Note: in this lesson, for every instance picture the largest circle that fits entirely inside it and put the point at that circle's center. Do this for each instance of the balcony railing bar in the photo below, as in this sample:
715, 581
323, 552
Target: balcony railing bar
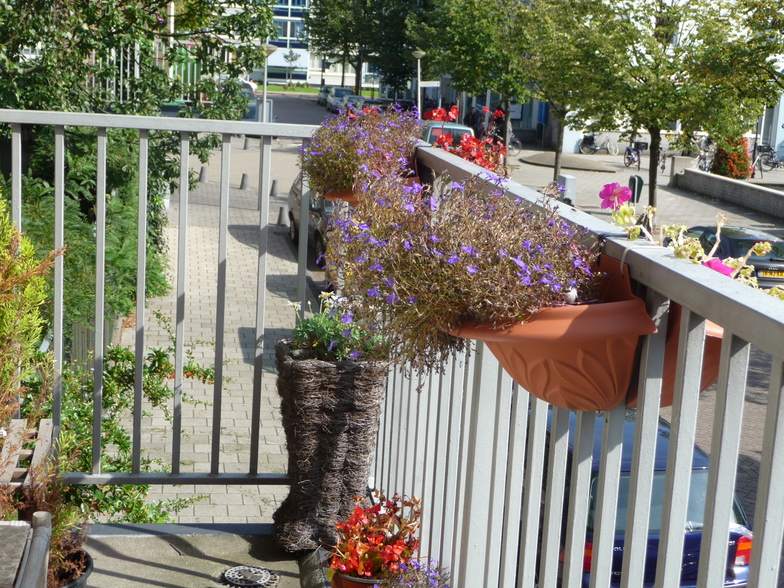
643, 455
679, 461
730, 399
607, 496
141, 300
16, 175
265, 165
579, 498
59, 241
220, 314
179, 318
514, 481
532, 493
477, 544
100, 293
769, 512
554, 495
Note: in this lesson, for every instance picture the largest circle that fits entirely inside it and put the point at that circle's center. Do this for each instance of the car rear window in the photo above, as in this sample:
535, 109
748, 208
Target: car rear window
698, 492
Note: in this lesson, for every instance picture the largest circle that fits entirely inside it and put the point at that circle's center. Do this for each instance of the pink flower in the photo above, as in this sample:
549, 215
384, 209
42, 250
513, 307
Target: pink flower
718, 265
614, 195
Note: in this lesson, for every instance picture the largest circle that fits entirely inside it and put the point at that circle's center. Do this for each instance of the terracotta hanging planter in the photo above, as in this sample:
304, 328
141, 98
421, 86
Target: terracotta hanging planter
710, 358
342, 195
579, 357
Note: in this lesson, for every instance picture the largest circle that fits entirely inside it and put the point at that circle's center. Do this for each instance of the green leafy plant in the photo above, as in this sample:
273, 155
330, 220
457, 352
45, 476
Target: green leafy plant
618, 199
353, 145
426, 262
332, 334
377, 539
117, 503
22, 293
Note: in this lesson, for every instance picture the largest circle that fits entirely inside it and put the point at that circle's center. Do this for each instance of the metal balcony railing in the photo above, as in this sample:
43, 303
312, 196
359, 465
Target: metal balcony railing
470, 442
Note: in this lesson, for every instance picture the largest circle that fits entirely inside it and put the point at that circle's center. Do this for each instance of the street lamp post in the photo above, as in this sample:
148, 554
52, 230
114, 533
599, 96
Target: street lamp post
419, 54
269, 49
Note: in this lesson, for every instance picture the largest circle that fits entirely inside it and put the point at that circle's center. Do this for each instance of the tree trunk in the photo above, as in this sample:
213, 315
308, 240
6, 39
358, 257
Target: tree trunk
655, 146
558, 150
358, 72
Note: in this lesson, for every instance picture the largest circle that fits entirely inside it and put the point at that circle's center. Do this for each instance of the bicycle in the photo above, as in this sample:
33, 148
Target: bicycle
633, 153
589, 145
766, 160
514, 147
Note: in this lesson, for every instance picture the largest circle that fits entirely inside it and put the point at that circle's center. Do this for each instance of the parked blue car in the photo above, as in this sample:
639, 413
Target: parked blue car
740, 537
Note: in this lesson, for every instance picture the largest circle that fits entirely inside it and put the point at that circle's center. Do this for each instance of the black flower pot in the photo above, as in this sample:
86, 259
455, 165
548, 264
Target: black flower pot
81, 581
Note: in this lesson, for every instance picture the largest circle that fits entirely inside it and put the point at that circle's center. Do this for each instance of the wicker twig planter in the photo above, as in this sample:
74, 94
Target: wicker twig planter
330, 413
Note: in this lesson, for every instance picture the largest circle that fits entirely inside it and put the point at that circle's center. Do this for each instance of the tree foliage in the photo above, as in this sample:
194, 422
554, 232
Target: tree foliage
647, 64
471, 41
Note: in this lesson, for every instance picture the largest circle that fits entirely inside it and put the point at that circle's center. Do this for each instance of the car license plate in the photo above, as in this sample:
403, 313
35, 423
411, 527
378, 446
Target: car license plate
771, 273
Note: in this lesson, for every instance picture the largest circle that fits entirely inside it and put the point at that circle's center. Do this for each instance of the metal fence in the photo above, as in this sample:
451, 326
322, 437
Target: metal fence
185, 128
469, 441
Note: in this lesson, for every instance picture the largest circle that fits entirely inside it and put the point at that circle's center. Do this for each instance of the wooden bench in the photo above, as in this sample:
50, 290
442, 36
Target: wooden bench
12, 474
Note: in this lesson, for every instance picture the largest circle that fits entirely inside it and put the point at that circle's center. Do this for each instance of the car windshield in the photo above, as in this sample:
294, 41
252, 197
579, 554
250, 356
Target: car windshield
698, 491
776, 250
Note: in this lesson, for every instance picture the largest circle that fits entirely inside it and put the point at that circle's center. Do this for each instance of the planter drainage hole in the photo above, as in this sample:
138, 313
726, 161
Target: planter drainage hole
250, 576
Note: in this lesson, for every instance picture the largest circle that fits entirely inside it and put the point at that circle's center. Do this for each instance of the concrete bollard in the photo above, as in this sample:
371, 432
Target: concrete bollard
244, 182
274, 189
570, 183
246, 145
679, 163
203, 174
283, 215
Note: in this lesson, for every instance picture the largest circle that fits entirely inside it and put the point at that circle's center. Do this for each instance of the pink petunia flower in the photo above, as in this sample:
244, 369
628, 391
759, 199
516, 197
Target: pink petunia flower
718, 265
614, 195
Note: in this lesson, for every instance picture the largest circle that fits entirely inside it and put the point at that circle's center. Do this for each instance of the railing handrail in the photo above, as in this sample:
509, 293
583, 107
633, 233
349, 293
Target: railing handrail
156, 123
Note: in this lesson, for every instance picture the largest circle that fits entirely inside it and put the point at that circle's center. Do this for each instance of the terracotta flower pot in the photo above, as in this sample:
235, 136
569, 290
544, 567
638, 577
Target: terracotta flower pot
342, 195
343, 581
579, 357
710, 358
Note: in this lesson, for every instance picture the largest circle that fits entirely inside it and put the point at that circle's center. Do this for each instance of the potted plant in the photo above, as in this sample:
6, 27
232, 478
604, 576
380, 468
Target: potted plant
460, 260
355, 145
618, 199
376, 543
331, 380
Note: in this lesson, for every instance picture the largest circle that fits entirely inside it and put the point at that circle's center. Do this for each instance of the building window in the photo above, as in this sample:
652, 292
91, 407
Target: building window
296, 29
282, 27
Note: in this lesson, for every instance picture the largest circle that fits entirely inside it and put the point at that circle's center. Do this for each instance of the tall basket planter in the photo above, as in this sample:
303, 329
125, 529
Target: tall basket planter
330, 413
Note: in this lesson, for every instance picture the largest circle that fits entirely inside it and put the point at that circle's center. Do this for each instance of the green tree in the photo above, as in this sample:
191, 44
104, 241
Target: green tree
390, 48
341, 30
562, 67
472, 41
117, 57
647, 64
291, 57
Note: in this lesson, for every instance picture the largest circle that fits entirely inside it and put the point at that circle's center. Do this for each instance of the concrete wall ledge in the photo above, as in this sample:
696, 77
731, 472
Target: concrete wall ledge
751, 196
